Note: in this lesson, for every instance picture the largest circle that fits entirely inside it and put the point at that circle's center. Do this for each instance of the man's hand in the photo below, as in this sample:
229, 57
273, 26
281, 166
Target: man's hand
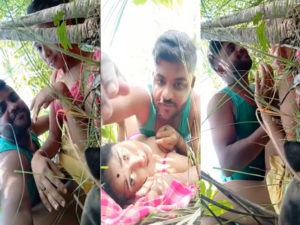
112, 85
264, 85
167, 138
46, 176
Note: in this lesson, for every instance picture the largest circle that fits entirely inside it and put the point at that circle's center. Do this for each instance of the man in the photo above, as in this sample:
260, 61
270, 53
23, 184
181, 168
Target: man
18, 191
238, 138
18, 142
170, 99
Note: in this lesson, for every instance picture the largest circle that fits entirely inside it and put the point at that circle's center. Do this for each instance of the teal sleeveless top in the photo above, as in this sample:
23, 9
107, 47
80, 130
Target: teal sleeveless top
245, 124
148, 129
5, 146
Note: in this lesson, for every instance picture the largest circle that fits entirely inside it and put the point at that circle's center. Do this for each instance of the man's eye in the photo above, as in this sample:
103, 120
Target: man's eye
2, 108
179, 85
13, 97
160, 81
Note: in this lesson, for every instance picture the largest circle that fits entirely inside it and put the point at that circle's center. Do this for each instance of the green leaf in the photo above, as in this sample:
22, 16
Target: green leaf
257, 17
139, 2
62, 36
261, 36
57, 18
216, 210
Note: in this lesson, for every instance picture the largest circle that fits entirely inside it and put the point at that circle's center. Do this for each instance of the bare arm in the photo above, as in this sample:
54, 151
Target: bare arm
233, 154
15, 202
195, 124
136, 102
41, 125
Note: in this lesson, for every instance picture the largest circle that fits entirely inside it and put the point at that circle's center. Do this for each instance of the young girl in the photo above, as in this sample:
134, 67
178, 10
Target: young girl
127, 166
70, 83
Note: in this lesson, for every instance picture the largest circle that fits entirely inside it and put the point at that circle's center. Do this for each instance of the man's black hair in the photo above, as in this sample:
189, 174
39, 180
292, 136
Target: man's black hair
2, 84
175, 47
213, 52
38, 5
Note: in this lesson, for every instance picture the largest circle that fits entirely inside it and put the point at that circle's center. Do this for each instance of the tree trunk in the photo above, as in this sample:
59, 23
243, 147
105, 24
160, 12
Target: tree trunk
75, 9
88, 32
287, 32
22, 29
276, 9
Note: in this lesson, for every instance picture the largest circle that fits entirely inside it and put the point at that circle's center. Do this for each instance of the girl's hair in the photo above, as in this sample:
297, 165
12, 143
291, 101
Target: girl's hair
105, 156
92, 156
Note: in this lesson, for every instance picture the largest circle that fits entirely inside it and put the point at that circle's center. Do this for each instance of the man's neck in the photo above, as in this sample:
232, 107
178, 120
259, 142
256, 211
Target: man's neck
24, 141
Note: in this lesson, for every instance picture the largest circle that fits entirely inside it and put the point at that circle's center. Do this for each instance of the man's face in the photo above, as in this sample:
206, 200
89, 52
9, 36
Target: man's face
172, 86
235, 59
14, 113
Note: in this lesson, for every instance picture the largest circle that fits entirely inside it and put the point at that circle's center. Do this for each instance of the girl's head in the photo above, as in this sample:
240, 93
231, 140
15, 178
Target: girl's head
125, 167
54, 58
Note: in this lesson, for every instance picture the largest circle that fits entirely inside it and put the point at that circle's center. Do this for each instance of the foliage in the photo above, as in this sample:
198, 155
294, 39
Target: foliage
62, 31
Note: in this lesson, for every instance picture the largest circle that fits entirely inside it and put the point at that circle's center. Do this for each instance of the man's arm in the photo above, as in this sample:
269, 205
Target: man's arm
136, 102
15, 201
232, 154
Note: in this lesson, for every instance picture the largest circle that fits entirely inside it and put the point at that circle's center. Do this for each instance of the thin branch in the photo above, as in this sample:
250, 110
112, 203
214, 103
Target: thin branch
257, 210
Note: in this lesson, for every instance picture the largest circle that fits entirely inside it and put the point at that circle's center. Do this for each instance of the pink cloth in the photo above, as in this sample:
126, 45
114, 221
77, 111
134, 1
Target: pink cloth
75, 89
176, 196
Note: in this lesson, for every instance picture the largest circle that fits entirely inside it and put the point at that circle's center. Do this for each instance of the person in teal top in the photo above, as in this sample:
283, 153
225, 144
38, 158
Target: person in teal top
238, 138
171, 103
245, 123
183, 129
18, 192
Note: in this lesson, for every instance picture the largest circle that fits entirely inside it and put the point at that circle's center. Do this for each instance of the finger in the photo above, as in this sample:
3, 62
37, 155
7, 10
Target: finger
55, 180
109, 79
32, 103
256, 82
53, 196
45, 200
106, 109
46, 104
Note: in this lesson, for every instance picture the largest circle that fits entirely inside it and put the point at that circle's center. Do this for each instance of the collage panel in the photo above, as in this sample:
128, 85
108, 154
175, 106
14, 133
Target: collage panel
249, 128
150, 150
49, 112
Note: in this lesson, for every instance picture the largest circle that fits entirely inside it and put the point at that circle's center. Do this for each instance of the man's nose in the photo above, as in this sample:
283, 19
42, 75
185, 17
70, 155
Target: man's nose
167, 94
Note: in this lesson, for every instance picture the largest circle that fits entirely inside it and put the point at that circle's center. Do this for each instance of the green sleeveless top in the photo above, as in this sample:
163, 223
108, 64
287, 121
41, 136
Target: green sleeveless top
6, 145
148, 128
245, 124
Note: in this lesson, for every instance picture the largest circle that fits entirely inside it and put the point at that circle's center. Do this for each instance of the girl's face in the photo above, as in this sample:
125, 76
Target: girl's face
172, 86
128, 169
54, 58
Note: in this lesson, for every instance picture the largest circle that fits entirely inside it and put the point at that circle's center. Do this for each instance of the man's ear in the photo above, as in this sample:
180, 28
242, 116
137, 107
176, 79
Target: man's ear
193, 81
